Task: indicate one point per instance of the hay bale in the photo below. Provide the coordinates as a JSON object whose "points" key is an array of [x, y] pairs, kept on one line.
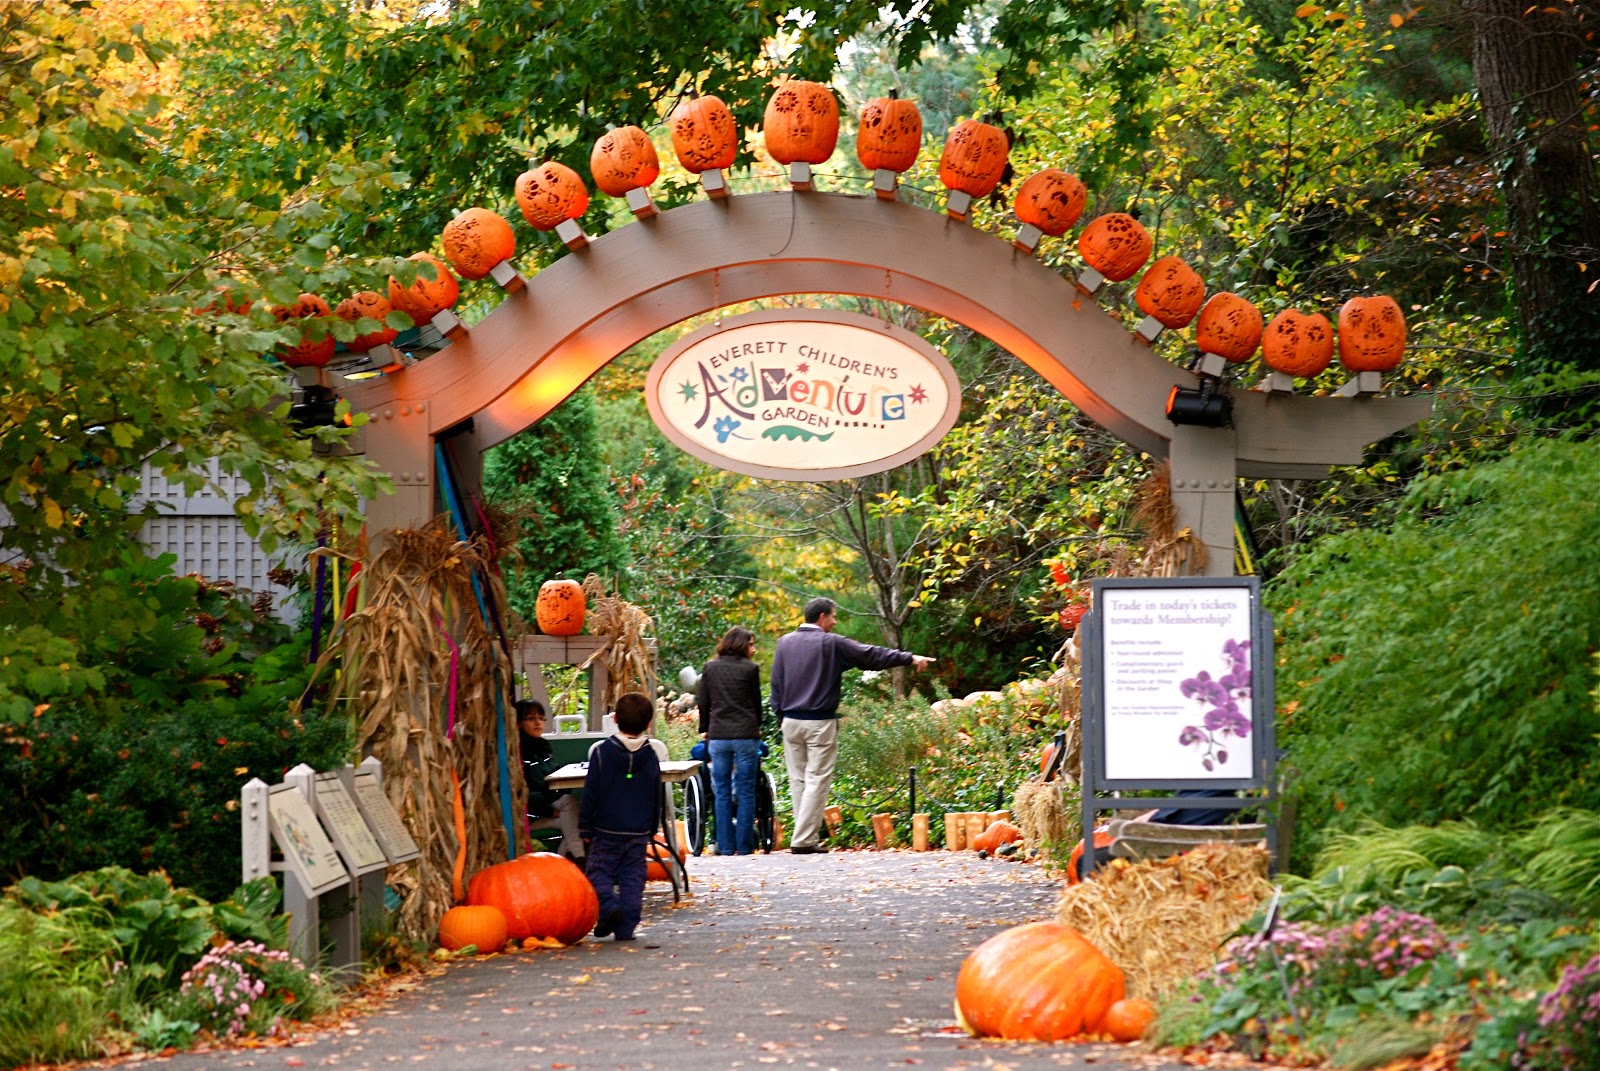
{"points": [[1165, 921], [1040, 811]]}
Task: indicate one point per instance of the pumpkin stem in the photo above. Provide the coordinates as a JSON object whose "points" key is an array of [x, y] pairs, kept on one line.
{"points": [[894, 94]]}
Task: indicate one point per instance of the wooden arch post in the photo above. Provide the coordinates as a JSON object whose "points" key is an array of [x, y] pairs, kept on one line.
{"points": [[545, 340]]}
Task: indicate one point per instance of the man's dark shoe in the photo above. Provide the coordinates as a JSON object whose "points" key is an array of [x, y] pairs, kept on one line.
{"points": [[608, 923], [802, 849], [625, 937]]}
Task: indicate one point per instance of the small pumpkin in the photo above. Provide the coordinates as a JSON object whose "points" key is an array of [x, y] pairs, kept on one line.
{"points": [[1042, 981], [1372, 334], [371, 305], [1229, 327], [425, 297], [1051, 200], [308, 352], [227, 294], [541, 895], [473, 924], [974, 158], [560, 608], [801, 122], [551, 194], [624, 159], [1170, 292], [1116, 245], [704, 135], [1128, 1019], [1297, 344], [998, 832], [656, 856], [890, 134], [1101, 840], [477, 240]]}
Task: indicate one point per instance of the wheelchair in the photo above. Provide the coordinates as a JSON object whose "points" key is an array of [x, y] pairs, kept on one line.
{"points": [[700, 808]]}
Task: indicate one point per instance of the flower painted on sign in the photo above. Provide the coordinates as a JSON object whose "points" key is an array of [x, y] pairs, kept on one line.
{"points": [[739, 375], [725, 427], [1220, 698]]}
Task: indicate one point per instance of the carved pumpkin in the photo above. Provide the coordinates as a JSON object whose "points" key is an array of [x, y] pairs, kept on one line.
{"points": [[1372, 334], [307, 353], [657, 855], [541, 895], [476, 241], [1042, 981], [974, 158], [624, 159], [1127, 1020], [373, 306], [704, 135], [999, 832], [1170, 292], [1101, 840], [1297, 344], [1229, 327], [560, 608], [226, 293], [551, 194], [1116, 245], [1051, 200], [890, 134], [479, 925], [425, 297], [801, 122]]}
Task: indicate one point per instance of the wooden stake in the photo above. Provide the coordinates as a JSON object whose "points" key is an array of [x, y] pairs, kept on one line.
{"points": [[883, 830], [919, 832]]}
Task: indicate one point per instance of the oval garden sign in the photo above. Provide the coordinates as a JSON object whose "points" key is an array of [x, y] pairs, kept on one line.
{"points": [[803, 394]]}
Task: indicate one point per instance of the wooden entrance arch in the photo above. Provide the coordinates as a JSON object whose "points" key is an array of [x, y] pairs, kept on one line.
{"points": [[545, 340]]}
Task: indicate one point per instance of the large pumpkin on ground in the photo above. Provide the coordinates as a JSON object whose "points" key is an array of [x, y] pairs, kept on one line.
{"points": [[974, 158], [1051, 200], [1101, 840], [1170, 292], [1229, 327], [550, 194], [1042, 981], [656, 857], [306, 353], [890, 134], [1116, 245], [425, 297], [477, 240], [704, 135], [371, 305], [541, 895], [801, 122], [560, 608], [1372, 334], [999, 832], [624, 159], [1297, 344], [468, 924]]}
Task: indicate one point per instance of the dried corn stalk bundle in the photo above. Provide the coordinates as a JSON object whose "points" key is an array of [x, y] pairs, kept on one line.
{"points": [[1040, 811], [1163, 922], [628, 657], [1167, 551], [417, 656]]}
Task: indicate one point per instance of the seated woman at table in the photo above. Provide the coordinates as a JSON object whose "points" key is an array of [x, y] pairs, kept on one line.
{"points": [[538, 762]]}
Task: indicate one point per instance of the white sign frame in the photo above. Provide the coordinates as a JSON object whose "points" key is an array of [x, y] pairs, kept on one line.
{"points": [[347, 825], [382, 819]]}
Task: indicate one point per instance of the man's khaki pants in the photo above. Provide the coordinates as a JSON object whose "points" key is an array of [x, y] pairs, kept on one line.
{"points": [[811, 750]]}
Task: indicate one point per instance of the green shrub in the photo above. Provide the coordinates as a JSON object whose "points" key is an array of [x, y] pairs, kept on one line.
{"points": [[54, 973]]}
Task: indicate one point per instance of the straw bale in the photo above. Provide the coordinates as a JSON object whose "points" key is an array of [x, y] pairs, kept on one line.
{"points": [[1040, 812], [1165, 921]]}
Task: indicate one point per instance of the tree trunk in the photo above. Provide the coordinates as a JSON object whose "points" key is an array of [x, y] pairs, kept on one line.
{"points": [[1527, 62]]}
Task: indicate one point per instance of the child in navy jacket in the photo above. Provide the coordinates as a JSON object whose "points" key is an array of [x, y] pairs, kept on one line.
{"points": [[620, 813]]}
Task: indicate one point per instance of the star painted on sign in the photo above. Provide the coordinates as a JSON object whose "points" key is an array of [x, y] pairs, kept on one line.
{"points": [[802, 368], [918, 394], [688, 391]]}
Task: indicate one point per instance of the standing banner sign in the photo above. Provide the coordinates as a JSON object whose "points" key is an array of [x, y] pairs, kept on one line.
{"points": [[1178, 695]]}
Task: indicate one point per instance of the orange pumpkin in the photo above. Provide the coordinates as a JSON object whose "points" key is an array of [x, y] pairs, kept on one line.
{"points": [[238, 308], [551, 194], [560, 608], [1051, 200], [308, 352], [890, 134], [1296, 344], [1128, 1019], [1229, 327], [657, 855], [999, 832], [469, 924], [371, 305], [1116, 245], [1170, 292], [541, 895], [1101, 840], [477, 240], [624, 159], [704, 135], [1372, 334], [974, 158], [1042, 981], [426, 296], [801, 122]]}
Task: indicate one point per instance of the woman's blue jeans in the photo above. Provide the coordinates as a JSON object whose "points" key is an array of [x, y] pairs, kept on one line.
{"points": [[735, 764]]}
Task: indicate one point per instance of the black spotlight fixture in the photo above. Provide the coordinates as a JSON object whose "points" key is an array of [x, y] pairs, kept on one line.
{"points": [[1208, 407], [315, 409]]}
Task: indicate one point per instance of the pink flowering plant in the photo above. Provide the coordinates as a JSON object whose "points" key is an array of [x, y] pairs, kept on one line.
{"points": [[1566, 1033], [244, 987]]}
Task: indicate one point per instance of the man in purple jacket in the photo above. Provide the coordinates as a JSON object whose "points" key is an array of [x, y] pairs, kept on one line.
{"points": [[806, 670]]}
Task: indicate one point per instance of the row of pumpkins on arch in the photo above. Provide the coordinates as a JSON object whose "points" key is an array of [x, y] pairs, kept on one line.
{"points": [[801, 126]]}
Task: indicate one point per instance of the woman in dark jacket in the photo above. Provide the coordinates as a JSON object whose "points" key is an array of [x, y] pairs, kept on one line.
{"points": [[729, 697]]}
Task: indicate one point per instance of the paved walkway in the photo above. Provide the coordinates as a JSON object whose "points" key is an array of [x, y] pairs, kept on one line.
{"points": [[841, 961]]}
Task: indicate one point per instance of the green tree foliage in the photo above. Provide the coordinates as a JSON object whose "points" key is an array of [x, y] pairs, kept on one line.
{"points": [[1443, 668]]}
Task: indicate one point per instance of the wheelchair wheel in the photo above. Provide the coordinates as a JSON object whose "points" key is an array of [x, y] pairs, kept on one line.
{"points": [[766, 810], [697, 810]]}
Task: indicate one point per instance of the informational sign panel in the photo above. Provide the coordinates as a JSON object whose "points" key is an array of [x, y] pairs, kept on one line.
{"points": [[383, 820], [1179, 685], [306, 848], [803, 394], [352, 838]]}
